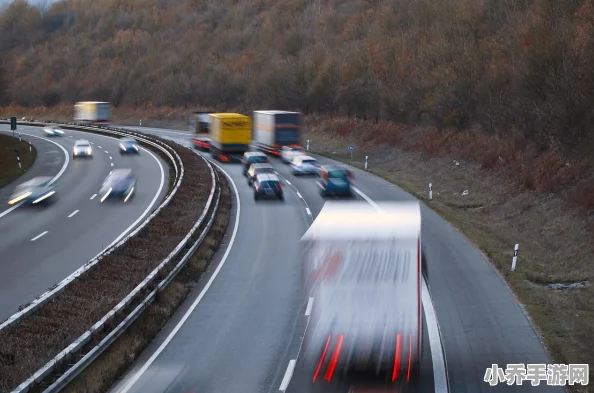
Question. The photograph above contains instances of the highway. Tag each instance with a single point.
(241, 328)
(42, 245)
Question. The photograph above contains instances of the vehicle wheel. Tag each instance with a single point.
(256, 197)
(424, 269)
(121, 153)
(282, 198)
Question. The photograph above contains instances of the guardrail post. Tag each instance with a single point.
(430, 191)
(366, 158)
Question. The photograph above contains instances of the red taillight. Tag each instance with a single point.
(397, 358)
(224, 158)
(321, 360)
(351, 175)
(409, 357)
(334, 359)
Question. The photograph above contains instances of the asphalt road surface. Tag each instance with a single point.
(241, 329)
(42, 245)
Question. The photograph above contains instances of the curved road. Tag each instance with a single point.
(241, 329)
(42, 245)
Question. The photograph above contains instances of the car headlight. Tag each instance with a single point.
(136, 147)
(122, 147)
(75, 152)
(89, 151)
(19, 198)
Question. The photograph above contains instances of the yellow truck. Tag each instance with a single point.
(230, 135)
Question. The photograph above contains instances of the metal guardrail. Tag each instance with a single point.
(179, 173)
(77, 345)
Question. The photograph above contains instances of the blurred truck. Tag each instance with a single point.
(275, 129)
(92, 112)
(230, 135)
(363, 267)
(200, 128)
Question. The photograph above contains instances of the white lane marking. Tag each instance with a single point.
(99, 147)
(38, 236)
(67, 160)
(91, 143)
(150, 361)
(110, 158)
(299, 195)
(93, 197)
(309, 306)
(112, 164)
(73, 213)
(288, 375)
(288, 182)
(69, 136)
(439, 365)
(308, 211)
(106, 151)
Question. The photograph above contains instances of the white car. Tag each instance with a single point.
(82, 148)
(289, 152)
(305, 165)
(53, 131)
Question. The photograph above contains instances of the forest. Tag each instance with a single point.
(511, 66)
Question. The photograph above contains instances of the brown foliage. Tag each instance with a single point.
(525, 65)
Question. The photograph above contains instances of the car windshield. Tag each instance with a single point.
(309, 162)
(129, 140)
(82, 144)
(263, 170)
(256, 159)
(338, 173)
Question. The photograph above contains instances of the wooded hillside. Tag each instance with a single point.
(509, 65)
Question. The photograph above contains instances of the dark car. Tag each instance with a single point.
(268, 186)
(335, 180)
(129, 145)
(120, 183)
(258, 169)
(253, 157)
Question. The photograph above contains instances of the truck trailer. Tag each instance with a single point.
(92, 112)
(275, 129)
(230, 135)
(363, 268)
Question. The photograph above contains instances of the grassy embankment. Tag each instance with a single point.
(9, 167)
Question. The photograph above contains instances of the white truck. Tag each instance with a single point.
(363, 268)
(274, 129)
(92, 112)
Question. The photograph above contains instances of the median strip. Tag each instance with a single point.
(39, 336)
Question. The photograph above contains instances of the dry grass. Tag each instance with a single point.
(105, 371)
(47, 331)
(9, 168)
(502, 208)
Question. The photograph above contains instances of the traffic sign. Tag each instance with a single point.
(351, 147)
(13, 123)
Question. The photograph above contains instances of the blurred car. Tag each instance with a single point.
(290, 152)
(202, 144)
(258, 169)
(53, 131)
(253, 157)
(34, 191)
(304, 165)
(129, 145)
(268, 186)
(120, 183)
(82, 148)
(335, 180)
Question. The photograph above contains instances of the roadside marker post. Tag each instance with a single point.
(351, 148)
(366, 158)
(13, 125)
(430, 191)
(140, 122)
(307, 147)
(20, 139)
(513, 269)
(30, 148)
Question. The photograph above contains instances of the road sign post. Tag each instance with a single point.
(13, 125)
(351, 148)
(366, 158)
